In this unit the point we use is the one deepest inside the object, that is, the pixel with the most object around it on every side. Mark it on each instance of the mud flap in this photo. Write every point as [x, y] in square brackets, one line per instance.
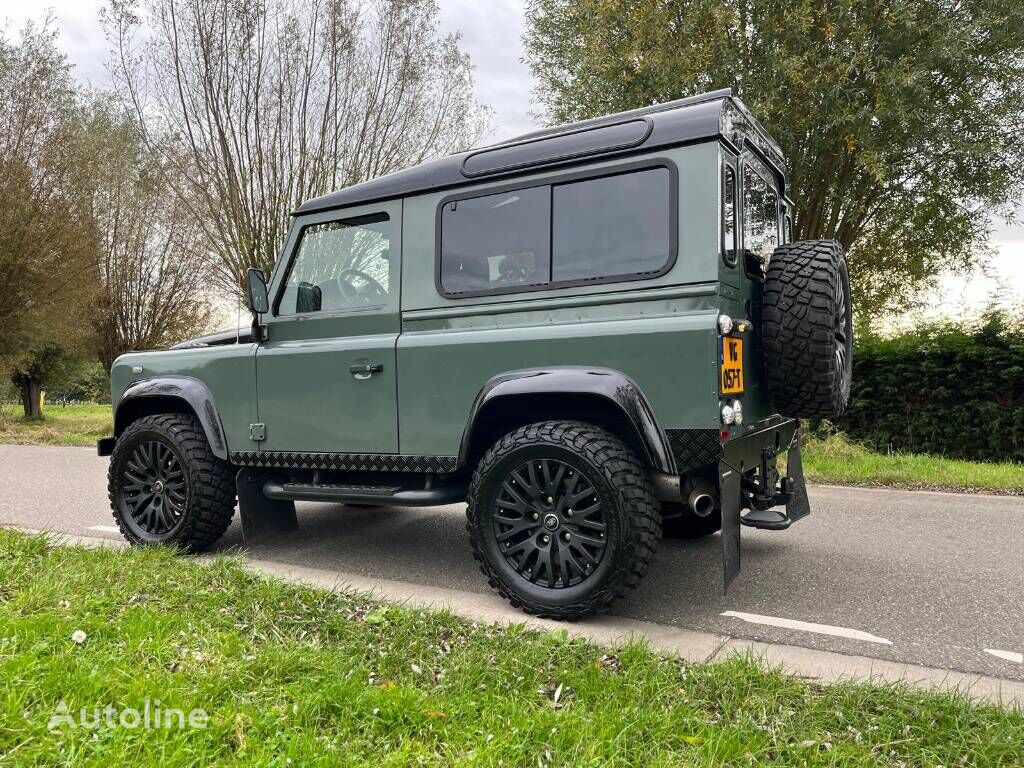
[729, 493]
[799, 505]
[261, 517]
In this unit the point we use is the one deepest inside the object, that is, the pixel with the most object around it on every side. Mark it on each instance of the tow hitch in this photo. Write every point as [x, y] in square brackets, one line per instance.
[759, 493]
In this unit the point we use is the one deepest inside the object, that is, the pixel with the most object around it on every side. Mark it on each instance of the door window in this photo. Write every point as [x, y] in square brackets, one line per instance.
[760, 213]
[339, 266]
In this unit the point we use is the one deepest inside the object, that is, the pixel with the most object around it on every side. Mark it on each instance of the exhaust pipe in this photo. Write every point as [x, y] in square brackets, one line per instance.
[701, 500]
[699, 496]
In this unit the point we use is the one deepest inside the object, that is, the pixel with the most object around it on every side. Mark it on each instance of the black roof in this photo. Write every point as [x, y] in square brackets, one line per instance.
[696, 118]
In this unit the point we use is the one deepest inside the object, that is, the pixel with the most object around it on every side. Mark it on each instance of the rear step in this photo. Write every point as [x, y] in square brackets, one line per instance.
[366, 494]
[767, 519]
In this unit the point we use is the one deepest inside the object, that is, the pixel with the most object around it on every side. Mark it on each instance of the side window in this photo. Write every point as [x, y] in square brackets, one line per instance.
[497, 241]
[760, 215]
[612, 226]
[729, 228]
[604, 227]
[339, 265]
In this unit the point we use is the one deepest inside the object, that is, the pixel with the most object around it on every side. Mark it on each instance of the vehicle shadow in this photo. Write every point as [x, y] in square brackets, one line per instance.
[429, 547]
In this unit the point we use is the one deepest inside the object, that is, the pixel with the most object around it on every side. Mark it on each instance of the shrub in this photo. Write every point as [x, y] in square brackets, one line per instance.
[945, 390]
[85, 382]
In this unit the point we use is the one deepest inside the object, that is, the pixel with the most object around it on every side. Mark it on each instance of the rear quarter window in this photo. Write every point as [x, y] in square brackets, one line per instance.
[590, 228]
[611, 226]
[496, 242]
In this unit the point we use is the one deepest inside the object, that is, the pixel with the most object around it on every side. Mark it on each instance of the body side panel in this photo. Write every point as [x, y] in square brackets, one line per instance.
[227, 372]
[659, 332]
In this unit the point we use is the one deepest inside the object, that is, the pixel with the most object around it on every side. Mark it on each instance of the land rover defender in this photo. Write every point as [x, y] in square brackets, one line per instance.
[595, 335]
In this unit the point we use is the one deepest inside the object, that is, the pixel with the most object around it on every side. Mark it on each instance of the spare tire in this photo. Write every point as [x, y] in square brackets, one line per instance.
[807, 329]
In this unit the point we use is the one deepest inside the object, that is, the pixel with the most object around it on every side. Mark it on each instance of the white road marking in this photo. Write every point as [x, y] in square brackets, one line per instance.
[105, 528]
[1013, 656]
[806, 626]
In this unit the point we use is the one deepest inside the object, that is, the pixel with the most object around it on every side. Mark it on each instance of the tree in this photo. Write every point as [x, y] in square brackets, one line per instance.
[31, 369]
[150, 273]
[899, 119]
[271, 102]
[44, 255]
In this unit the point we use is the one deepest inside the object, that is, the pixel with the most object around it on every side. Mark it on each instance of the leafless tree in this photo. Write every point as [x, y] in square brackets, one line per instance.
[275, 101]
[150, 277]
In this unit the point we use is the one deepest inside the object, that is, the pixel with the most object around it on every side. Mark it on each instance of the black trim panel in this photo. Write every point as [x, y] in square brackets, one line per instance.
[558, 147]
[694, 448]
[610, 384]
[187, 389]
[355, 462]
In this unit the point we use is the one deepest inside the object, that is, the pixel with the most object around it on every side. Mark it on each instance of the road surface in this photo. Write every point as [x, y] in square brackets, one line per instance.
[921, 578]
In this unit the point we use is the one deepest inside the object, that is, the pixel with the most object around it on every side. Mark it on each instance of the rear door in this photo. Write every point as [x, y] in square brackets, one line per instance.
[326, 375]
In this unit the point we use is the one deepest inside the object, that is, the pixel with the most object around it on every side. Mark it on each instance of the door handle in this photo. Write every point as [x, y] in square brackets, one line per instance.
[365, 370]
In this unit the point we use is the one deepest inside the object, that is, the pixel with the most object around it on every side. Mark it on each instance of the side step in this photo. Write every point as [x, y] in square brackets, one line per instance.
[766, 519]
[367, 494]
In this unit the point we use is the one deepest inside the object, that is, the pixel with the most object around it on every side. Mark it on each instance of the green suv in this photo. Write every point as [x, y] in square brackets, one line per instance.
[595, 335]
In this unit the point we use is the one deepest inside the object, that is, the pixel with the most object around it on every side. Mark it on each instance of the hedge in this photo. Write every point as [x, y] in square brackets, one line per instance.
[946, 390]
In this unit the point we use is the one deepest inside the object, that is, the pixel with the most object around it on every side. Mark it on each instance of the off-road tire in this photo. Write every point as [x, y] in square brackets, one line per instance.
[807, 329]
[681, 523]
[209, 481]
[627, 497]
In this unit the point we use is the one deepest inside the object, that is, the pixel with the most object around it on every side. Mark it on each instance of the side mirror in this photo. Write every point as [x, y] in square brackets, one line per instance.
[259, 301]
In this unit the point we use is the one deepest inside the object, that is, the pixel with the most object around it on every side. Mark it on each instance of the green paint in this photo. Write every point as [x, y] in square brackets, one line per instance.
[436, 353]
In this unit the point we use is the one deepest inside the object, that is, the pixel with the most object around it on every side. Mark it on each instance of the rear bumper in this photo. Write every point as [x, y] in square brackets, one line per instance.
[105, 446]
[774, 434]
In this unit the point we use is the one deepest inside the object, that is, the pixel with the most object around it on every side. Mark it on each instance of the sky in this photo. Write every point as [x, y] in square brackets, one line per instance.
[491, 32]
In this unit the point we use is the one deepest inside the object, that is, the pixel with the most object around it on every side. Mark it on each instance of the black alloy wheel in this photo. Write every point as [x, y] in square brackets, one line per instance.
[153, 487]
[842, 324]
[550, 523]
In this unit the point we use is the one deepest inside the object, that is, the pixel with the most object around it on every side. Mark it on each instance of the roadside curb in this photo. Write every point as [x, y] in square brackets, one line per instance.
[692, 646]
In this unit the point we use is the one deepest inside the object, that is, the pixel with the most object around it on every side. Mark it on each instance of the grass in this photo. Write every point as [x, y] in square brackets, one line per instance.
[835, 459]
[61, 425]
[827, 459]
[297, 676]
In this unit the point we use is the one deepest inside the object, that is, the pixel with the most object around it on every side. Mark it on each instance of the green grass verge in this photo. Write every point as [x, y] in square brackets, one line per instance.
[297, 676]
[70, 425]
[835, 459]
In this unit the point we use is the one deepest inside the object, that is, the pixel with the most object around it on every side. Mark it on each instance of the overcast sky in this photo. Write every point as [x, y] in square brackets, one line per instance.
[492, 35]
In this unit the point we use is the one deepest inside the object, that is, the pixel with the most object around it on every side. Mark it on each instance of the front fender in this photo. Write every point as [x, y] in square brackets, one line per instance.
[183, 390]
[614, 386]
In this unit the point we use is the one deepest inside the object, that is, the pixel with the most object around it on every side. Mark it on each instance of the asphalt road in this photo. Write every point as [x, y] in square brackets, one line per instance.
[938, 576]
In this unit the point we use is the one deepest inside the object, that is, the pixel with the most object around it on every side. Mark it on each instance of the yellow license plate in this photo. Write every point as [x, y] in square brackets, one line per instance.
[732, 366]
